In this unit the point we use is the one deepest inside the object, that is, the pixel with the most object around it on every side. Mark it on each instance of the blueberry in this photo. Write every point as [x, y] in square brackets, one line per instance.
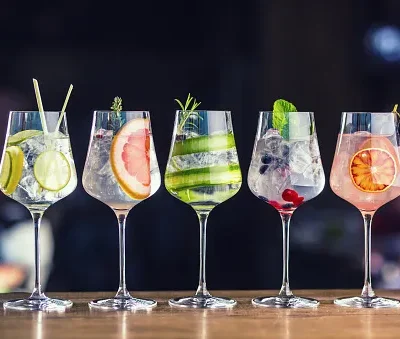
[280, 162]
[262, 198]
[287, 206]
[263, 168]
[266, 159]
[285, 150]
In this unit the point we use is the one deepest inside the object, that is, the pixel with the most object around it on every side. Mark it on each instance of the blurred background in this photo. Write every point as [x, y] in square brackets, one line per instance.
[324, 56]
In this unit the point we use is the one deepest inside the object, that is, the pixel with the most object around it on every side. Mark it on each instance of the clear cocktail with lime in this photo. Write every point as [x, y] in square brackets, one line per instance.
[37, 169]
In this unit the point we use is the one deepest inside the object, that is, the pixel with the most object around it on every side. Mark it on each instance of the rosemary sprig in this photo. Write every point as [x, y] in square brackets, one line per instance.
[187, 112]
[117, 108]
[117, 105]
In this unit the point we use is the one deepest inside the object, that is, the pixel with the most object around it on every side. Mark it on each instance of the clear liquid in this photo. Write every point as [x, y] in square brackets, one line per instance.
[204, 179]
[340, 180]
[279, 165]
[98, 177]
[29, 192]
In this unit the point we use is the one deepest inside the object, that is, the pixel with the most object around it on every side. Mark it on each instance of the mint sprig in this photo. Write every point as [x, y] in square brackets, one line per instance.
[280, 118]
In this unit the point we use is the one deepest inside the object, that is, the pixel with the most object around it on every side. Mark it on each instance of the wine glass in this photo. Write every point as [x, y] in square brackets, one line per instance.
[121, 170]
[286, 171]
[37, 170]
[203, 171]
[365, 173]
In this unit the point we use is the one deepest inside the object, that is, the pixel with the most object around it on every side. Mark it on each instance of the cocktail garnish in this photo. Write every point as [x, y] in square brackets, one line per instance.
[373, 170]
[280, 119]
[40, 106]
[117, 105]
[117, 108]
[187, 112]
[64, 108]
[395, 109]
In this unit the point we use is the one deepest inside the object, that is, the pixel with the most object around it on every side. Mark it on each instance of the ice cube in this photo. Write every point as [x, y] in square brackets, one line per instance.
[32, 147]
[106, 171]
[299, 156]
[204, 159]
[272, 183]
[31, 187]
[314, 148]
[272, 142]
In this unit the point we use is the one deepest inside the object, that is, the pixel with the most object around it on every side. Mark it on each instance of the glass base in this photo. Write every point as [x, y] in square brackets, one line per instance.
[45, 304]
[362, 302]
[285, 302]
[130, 304]
[202, 302]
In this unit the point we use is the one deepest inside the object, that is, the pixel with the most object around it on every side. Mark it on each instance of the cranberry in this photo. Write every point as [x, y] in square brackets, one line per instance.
[290, 195]
[275, 204]
[298, 201]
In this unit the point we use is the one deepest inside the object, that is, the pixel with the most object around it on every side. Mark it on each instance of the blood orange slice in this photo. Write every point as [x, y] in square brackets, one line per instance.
[373, 170]
[130, 158]
[382, 142]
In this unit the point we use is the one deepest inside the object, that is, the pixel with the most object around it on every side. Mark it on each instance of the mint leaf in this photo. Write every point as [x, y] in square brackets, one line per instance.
[280, 118]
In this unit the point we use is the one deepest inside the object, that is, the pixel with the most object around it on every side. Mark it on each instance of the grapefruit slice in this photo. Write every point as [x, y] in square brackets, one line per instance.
[373, 170]
[130, 158]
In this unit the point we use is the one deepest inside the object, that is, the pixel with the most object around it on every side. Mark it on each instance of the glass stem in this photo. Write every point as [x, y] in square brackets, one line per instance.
[367, 291]
[37, 293]
[202, 289]
[285, 289]
[122, 291]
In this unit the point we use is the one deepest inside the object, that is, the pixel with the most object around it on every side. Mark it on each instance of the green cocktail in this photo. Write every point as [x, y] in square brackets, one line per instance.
[204, 171]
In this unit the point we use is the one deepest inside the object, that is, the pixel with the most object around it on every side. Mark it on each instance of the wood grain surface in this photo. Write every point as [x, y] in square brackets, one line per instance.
[243, 321]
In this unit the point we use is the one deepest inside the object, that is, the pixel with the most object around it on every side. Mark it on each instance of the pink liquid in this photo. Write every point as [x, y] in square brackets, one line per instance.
[340, 179]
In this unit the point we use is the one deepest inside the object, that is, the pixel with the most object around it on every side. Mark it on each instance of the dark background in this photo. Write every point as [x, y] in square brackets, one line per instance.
[324, 56]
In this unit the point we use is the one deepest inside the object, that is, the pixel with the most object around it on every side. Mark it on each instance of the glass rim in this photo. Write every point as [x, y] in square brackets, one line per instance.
[13, 112]
[263, 112]
[368, 112]
[123, 111]
[204, 110]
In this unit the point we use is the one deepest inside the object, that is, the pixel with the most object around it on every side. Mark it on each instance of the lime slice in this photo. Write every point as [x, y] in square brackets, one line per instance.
[19, 137]
[206, 176]
[52, 170]
[204, 144]
[11, 170]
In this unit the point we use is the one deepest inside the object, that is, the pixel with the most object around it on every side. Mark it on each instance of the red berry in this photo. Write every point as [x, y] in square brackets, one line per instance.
[298, 201]
[290, 195]
[275, 204]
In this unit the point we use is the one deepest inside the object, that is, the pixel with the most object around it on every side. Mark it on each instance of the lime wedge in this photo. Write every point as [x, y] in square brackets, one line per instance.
[19, 137]
[11, 170]
[5, 170]
[206, 176]
[52, 170]
[204, 144]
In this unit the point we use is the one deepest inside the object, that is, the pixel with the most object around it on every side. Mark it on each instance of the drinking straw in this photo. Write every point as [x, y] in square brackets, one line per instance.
[40, 106]
[63, 108]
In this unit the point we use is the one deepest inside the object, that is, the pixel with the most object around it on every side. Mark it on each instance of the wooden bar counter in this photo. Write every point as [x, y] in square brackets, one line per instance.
[243, 321]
